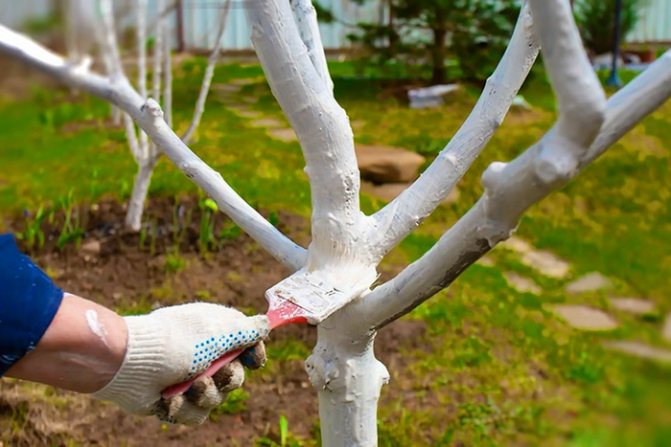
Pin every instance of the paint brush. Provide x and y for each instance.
(304, 297)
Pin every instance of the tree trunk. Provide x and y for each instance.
(438, 56)
(139, 195)
(348, 377)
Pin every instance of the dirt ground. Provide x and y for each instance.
(137, 272)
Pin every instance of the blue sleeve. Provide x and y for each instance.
(29, 301)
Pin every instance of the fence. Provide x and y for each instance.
(199, 17)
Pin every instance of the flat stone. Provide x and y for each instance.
(386, 191)
(386, 164)
(244, 111)
(267, 122)
(641, 350)
(249, 99)
(517, 245)
(246, 81)
(666, 331)
(585, 318)
(546, 263)
(285, 134)
(227, 88)
(249, 114)
(522, 283)
(591, 282)
(634, 306)
(91, 247)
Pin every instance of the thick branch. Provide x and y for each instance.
(412, 206)
(149, 117)
(207, 77)
(469, 239)
(308, 26)
(321, 125)
(157, 58)
(167, 73)
(112, 59)
(141, 36)
(510, 189)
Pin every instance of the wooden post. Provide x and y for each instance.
(179, 7)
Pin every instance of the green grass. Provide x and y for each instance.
(500, 368)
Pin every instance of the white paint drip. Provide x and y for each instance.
(95, 326)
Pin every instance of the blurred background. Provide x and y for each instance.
(560, 336)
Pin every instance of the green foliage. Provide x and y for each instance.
(206, 237)
(285, 437)
(501, 368)
(236, 402)
(422, 33)
(596, 20)
(174, 263)
(71, 230)
(32, 234)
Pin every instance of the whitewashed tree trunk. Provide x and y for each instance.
(349, 245)
(144, 152)
(209, 74)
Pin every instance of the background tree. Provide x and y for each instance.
(428, 32)
(595, 19)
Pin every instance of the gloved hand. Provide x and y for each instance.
(173, 344)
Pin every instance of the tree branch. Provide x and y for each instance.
(141, 36)
(510, 189)
(149, 117)
(396, 220)
(308, 27)
(207, 77)
(321, 125)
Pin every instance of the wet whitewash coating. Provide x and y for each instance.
(348, 245)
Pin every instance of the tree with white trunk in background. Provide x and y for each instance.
(84, 19)
(348, 244)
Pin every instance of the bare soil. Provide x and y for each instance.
(136, 272)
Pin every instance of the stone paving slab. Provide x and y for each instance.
(641, 350)
(522, 283)
(585, 318)
(591, 282)
(635, 306)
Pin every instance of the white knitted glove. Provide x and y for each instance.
(173, 344)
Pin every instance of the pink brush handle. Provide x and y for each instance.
(285, 313)
(183, 387)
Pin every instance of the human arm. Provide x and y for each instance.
(66, 341)
(81, 350)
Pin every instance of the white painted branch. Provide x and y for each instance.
(207, 77)
(322, 127)
(139, 194)
(158, 53)
(308, 26)
(148, 116)
(167, 74)
(412, 206)
(631, 104)
(509, 190)
(141, 36)
(109, 41)
(131, 136)
(80, 18)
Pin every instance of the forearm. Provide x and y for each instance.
(81, 350)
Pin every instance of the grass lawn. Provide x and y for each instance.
(498, 367)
